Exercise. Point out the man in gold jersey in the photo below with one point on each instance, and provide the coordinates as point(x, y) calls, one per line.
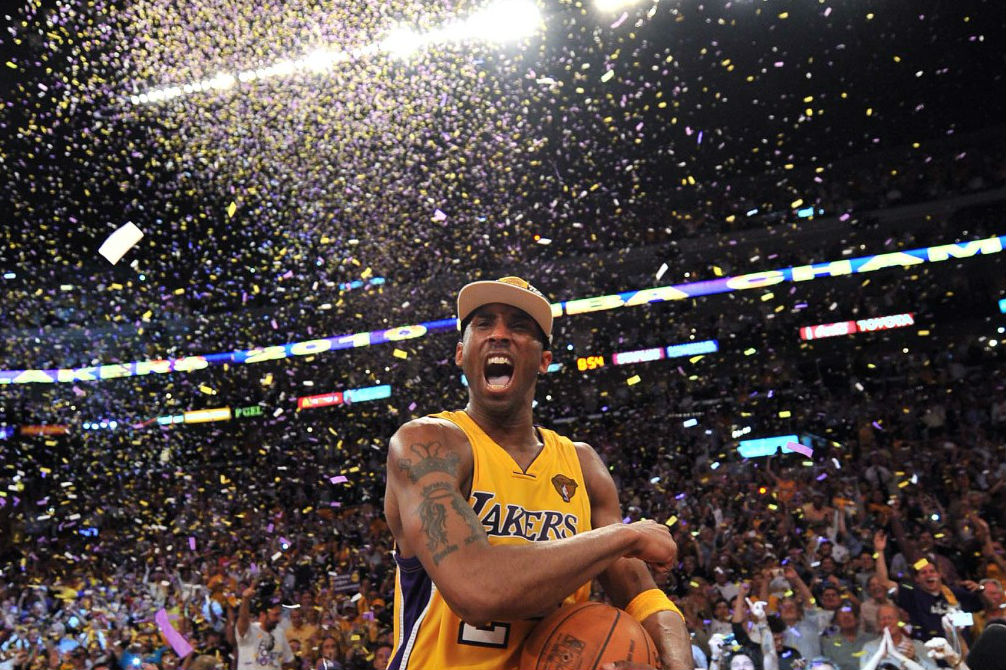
point(498, 521)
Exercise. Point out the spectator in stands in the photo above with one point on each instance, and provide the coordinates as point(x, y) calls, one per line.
point(843, 642)
point(888, 619)
point(876, 592)
point(332, 653)
point(995, 604)
point(297, 628)
point(928, 598)
point(724, 587)
point(261, 643)
point(804, 622)
point(720, 622)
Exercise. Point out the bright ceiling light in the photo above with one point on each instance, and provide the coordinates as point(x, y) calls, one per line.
point(504, 21)
point(320, 60)
point(402, 43)
point(222, 81)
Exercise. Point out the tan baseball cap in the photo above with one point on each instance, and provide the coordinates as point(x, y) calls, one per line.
point(512, 291)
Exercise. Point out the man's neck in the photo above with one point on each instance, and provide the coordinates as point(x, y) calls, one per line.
point(508, 431)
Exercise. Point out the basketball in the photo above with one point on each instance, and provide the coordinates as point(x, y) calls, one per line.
point(585, 636)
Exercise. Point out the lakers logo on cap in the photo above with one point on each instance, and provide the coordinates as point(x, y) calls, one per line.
point(520, 283)
point(565, 486)
point(515, 281)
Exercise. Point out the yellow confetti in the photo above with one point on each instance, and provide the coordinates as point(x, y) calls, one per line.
point(633, 380)
point(398, 353)
point(232, 208)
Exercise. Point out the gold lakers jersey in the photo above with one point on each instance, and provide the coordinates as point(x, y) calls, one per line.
point(547, 502)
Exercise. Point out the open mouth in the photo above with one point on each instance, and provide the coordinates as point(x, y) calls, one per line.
point(498, 372)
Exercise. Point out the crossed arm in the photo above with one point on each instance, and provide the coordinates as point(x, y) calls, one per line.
point(428, 463)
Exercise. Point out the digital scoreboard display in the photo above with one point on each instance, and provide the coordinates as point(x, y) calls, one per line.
point(585, 363)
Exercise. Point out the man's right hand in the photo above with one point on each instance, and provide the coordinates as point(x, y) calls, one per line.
point(654, 545)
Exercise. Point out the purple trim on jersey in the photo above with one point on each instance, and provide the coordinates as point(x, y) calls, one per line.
point(416, 591)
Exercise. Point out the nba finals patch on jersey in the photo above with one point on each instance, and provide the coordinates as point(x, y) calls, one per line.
point(565, 486)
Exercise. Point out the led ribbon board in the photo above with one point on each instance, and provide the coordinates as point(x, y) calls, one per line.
point(767, 446)
point(46, 429)
point(365, 394)
point(860, 326)
point(801, 273)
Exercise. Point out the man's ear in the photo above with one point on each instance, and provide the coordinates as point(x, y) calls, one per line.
point(458, 351)
point(546, 360)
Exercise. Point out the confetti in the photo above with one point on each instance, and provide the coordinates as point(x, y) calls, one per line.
point(119, 242)
point(651, 137)
point(800, 448)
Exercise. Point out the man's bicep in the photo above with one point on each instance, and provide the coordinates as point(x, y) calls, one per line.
point(605, 508)
point(626, 577)
point(436, 519)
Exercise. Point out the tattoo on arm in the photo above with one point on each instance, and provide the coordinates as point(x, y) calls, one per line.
point(433, 457)
point(433, 516)
point(436, 497)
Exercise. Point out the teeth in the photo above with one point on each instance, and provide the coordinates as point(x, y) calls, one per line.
point(499, 370)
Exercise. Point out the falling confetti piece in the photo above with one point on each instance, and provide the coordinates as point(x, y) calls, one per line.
point(800, 448)
point(119, 242)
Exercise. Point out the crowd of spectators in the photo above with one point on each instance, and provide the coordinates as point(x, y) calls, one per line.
point(805, 535)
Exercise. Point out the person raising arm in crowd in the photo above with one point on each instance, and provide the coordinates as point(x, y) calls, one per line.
point(928, 599)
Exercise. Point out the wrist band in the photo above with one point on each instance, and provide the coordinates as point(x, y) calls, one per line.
point(649, 602)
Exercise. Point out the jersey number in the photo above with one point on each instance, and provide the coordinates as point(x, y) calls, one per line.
point(494, 635)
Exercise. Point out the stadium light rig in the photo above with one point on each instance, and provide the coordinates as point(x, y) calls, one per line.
point(502, 21)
